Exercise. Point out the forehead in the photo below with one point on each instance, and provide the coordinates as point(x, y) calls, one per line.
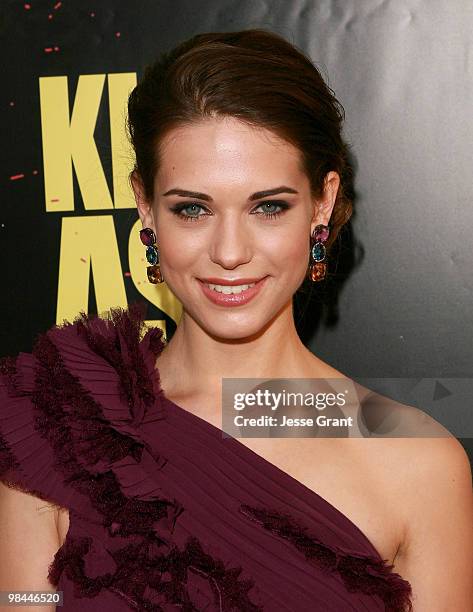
point(226, 150)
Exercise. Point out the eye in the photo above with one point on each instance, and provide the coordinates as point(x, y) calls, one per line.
point(267, 208)
point(192, 209)
point(190, 206)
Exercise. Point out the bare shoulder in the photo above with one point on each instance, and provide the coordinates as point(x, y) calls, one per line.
point(425, 493)
point(437, 471)
point(437, 505)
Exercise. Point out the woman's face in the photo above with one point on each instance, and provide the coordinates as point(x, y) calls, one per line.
point(227, 229)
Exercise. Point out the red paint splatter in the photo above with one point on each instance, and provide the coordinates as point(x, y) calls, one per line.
point(118, 34)
point(127, 274)
point(35, 172)
point(12, 103)
point(55, 200)
point(92, 14)
point(84, 260)
point(51, 49)
point(15, 177)
point(56, 48)
point(27, 7)
point(50, 16)
point(57, 5)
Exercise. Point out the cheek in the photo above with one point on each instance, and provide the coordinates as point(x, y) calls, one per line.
point(287, 248)
point(180, 249)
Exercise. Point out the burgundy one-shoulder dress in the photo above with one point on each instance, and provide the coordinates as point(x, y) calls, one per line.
point(166, 513)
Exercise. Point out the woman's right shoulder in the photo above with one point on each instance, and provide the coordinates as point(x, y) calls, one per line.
point(27, 462)
point(43, 399)
point(73, 405)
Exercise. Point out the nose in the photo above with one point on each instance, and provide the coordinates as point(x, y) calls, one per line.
point(231, 243)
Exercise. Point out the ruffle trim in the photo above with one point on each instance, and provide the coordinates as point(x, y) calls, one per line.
point(86, 446)
point(93, 451)
point(15, 373)
point(8, 463)
point(364, 573)
point(142, 574)
point(118, 341)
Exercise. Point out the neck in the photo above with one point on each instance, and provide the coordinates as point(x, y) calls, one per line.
point(194, 362)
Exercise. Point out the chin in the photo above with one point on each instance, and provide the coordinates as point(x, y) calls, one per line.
point(231, 325)
point(230, 335)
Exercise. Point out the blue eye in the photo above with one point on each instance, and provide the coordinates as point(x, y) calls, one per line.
point(195, 207)
point(271, 215)
point(187, 205)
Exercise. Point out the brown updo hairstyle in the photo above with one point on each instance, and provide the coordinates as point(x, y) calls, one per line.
point(257, 77)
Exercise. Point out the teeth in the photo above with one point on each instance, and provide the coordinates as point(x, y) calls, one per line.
point(229, 289)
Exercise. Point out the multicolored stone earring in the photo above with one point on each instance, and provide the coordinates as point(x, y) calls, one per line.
point(148, 238)
point(318, 252)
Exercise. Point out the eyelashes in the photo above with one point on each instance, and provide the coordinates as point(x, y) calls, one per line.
point(177, 210)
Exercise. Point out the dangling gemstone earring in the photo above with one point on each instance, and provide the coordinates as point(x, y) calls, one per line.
point(318, 252)
point(148, 238)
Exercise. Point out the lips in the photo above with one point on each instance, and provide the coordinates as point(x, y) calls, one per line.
point(232, 299)
point(225, 281)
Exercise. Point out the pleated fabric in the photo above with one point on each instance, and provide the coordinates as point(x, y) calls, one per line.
point(167, 514)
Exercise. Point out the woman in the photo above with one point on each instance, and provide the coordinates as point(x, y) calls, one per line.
point(240, 175)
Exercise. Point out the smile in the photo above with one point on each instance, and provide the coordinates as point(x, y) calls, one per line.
point(232, 295)
point(229, 288)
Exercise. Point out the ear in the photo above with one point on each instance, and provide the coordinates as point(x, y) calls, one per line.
point(145, 209)
point(323, 208)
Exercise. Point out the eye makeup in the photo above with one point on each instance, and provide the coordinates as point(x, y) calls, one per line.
point(178, 208)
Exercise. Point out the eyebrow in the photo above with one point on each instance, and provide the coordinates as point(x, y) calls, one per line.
point(254, 196)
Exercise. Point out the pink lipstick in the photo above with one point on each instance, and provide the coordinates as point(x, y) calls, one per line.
point(231, 299)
